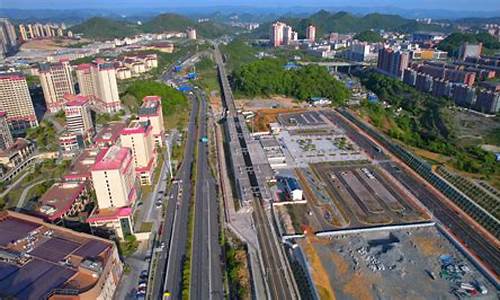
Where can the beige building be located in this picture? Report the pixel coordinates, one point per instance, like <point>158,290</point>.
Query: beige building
<point>138,136</point>
<point>311,33</point>
<point>78,118</point>
<point>15,101</point>
<point>114,181</point>
<point>277,32</point>
<point>56,82</point>
<point>191,33</point>
<point>113,178</point>
<point>98,81</point>
<point>5,136</point>
<point>23,32</point>
<point>61,264</point>
<point>151,111</point>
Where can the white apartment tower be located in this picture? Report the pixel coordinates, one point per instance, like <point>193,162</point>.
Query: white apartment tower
<point>56,82</point>
<point>78,117</point>
<point>98,81</point>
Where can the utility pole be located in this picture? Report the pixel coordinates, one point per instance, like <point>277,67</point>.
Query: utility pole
<point>169,161</point>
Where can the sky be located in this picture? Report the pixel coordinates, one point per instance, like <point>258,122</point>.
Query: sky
<point>476,5</point>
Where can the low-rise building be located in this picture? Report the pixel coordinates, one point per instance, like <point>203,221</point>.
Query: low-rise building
<point>45,261</point>
<point>109,135</point>
<point>63,200</point>
<point>488,102</point>
<point>81,168</point>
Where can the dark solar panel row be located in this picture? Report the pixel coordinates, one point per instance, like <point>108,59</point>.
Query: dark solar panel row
<point>12,230</point>
<point>6,270</point>
<point>55,249</point>
<point>52,279</point>
<point>17,281</point>
<point>91,249</point>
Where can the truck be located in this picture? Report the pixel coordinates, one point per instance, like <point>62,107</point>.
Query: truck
<point>177,68</point>
<point>192,75</point>
<point>184,88</point>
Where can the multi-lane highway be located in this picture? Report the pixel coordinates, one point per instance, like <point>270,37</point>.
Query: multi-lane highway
<point>206,275</point>
<point>168,273</point>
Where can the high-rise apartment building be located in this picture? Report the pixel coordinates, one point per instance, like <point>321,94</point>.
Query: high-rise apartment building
<point>277,32</point>
<point>311,33</point>
<point>392,62</point>
<point>56,82</point>
<point>8,37</point>
<point>470,50</point>
<point>78,117</point>
<point>138,136</point>
<point>191,33</point>
<point>15,100</point>
<point>151,111</point>
<point>6,139</point>
<point>113,178</point>
<point>23,32</point>
<point>98,81</point>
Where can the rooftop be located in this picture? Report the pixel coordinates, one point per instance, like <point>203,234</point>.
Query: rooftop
<point>135,127</point>
<point>108,214</point>
<point>38,257</point>
<point>82,166</point>
<point>19,144</point>
<point>111,158</point>
<point>75,100</point>
<point>12,76</point>
<point>150,105</point>
<point>110,132</point>
<point>59,199</point>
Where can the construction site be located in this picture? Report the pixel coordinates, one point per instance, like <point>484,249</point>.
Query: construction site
<point>417,263</point>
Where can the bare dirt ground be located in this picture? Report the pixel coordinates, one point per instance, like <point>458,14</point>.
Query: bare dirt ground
<point>50,44</point>
<point>400,264</point>
<point>273,102</point>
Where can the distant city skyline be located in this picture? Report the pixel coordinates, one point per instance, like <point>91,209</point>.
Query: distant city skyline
<point>111,4</point>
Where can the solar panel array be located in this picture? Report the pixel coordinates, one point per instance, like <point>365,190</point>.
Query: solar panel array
<point>44,272</point>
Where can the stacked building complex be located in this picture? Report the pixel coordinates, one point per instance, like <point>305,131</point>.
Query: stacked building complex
<point>8,37</point>
<point>56,81</point>
<point>43,261</point>
<point>114,181</point>
<point>40,31</point>
<point>15,102</point>
<point>98,81</point>
<point>282,34</point>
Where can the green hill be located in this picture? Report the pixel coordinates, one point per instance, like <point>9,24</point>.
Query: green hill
<point>167,22</point>
<point>368,36</point>
<point>452,43</point>
<point>174,22</point>
<point>344,22</point>
<point>103,28</point>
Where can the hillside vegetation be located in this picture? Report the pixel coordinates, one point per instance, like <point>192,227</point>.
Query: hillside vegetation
<point>424,122</point>
<point>452,43</point>
<point>369,36</point>
<point>267,77</point>
<point>103,28</point>
<point>344,22</point>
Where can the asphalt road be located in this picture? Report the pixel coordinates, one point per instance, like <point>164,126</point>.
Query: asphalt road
<point>206,275</point>
<point>168,274</point>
